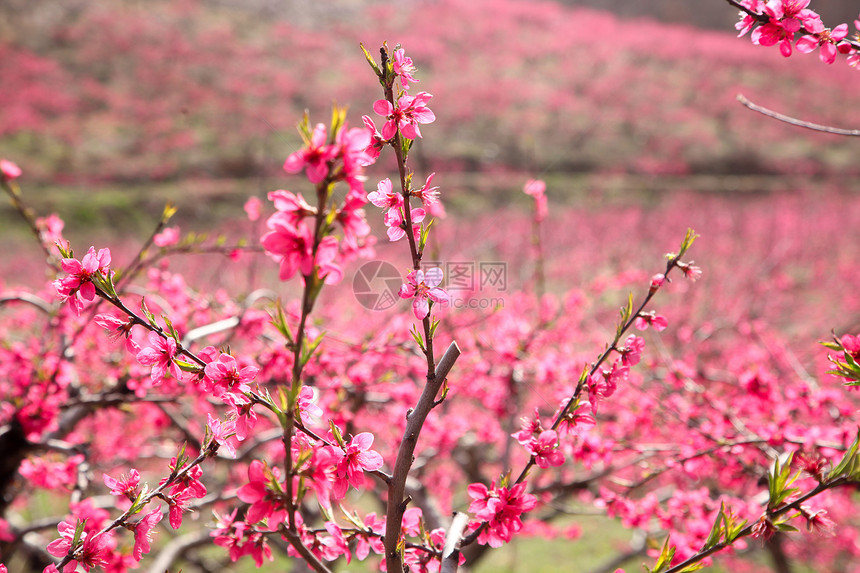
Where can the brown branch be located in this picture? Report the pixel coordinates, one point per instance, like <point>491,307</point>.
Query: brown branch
<point>798,122</point>
<point>397,486</point>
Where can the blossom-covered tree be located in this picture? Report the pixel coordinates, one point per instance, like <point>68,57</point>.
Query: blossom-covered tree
<point>272,412</point>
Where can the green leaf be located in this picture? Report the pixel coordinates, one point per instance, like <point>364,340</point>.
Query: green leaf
<point>168,212</point>
<point>304,128</point>
<point>338,117</point>
<point>732,528</point>
<point>353,518</point>
<point>406,145</point>
<point>626,312</point>
<point>433,326</point>
<point>665,559</point>
<point>371,61</point>
<point>310,348</point>
<point>849,458</point>
<point>779,481</point>
<point>79,531</point>
<point>717,529</point>
<point>425,232</point>
<point>187,366</point>
<point>170,330</point>
<point>149,316</point>
<point>181,456</point>
<point>689,239</point>
<point>417,337</point>
<point>139,502</point>
<point>335,431</point>
<point>279,321</point>
<point>445,389</point>
<point>65,250</point>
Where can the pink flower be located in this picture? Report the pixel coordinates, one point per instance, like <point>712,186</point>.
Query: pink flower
<point>534,187</point>
<point>410,111</point>
<point>501,509</point>
<point>125,485</point>
<point>246,417</point>
<point>690,271</point>
<point>167,237</point>
<point>252,208</point>
<point>318,473</point>
<point>91,551</point>
<point>581,416</point>
<point>812,464</point>
<point>395,221</point>
<point>78,285</point>
<point>851,345</point>
<point>221,433</point>
<point>351,218</point>
<point>352,461</point>
<point>603,384</point>
<point>264,492</point>
<point>314,158</point>
<point>529,428</point>
<point>291,243</point>
<point>9,170</point>
<point>786,18</point>
<point>422,286</point>
<point>352,145</point>
<point>764,529</point>
<point>160,356</point>
<point>403,66</point>
<point>747,21</point>
<point>376,142</point>
<point>51,228</point>
<point>631,352</point>
<point>428,195</point>
<point>143,532</point>
<point>827,39</point>
<point>544,448</point>
<point>646,319</point>
<point>385,197</point>
<point>226,375</point>
<point>334,546</point>
<point>189,481</point>
<point>305,403</point>
<point>118,328</point>
<point>537,189</point>
<point>366,542</point>
<point>817,520</point>
<point>293,246</point>
<point>176,505</point>
<point>295,206</point>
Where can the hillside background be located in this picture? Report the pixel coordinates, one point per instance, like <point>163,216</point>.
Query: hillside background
<point>136,100</point>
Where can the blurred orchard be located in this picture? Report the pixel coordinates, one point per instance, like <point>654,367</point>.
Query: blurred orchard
<point>390,339</point>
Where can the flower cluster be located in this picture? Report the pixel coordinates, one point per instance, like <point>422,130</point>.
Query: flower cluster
<point>78,286</point>
<point>311,249</point>
<point>501,509</point>
<point>780,22</point>
<point>422,288</point>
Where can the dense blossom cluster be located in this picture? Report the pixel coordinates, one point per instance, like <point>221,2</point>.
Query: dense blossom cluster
<point>788,23</point>
<point>276,416</point>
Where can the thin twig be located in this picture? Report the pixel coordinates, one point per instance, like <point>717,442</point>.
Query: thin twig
<point>795,121</point>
